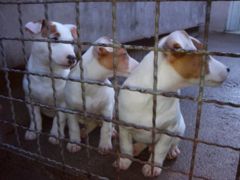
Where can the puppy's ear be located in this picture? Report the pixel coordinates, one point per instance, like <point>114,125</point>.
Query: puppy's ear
<point>73,30</point>
<point>100,51</point>
<point>34,27</point>
<point>171,44</point>
<point>197,43</point>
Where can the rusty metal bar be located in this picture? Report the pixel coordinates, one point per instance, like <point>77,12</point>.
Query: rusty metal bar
<point>74,1</point>
<point>115,85</point>
<point>201,89</point>
<point>141,90</point>
<point>130,47</point>
<point>53,83</point>
<point>155,79</point>
<point>79,56</point>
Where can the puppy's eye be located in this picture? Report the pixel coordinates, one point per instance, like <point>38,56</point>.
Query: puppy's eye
<point>54,38</point>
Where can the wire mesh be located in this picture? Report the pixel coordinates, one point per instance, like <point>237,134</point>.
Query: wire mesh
<point>90,116</point>
<point>201,89</point>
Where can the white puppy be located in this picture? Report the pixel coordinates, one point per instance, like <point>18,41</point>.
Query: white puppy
<point>175,71</point>
<point>63,58</point>
<point>98,66</point>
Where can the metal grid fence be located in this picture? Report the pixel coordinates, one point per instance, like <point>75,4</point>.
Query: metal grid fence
<point>154,92</point>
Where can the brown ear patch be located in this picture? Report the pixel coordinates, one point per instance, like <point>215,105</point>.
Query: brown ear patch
<point>197,44</point>
<point>188,66</point>
<point>74,32</point>
<point>48,28</point>
<point>105,58</point>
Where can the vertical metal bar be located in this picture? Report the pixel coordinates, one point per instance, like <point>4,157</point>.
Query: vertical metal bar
<point>238,169</point>
<point>201,89</point>
<point>28,77</point>
<point>6,73</point>
<point>115,81</point>
<point>155,78</point>
<point>53,82</point>
<point>79,56</point>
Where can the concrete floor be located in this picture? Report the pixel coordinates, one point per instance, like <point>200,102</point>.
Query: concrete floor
<point>219,124</point>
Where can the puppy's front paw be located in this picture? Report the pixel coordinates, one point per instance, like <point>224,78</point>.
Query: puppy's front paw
<point>147,171</point>
<point>72,148</point>
<point>53,140</point>
<point>123,163</point>
<point>30,135</point>
<point>105,146</point>
<point>173,153</point>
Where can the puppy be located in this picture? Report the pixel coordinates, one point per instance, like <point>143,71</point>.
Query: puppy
<point>175,71</point>
<point>98,66</point>
<point>63,58</point>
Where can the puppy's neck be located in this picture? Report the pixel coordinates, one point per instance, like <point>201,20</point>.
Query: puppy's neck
<point>168,79</point>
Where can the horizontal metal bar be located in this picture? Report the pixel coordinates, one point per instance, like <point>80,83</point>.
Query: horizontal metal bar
<point>130,47</point>
<point>95,117</point>
<point>74,1</point>
<point>130,88</point>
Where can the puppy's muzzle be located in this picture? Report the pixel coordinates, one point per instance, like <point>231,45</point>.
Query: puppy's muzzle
<point>72,60</point>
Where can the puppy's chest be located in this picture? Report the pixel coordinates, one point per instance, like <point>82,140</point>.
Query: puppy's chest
<point>96,100</point>
<point>42,90</point>
<point>94,105</point>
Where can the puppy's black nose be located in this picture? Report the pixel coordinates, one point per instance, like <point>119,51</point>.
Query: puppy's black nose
<point>71,59</point>
<point>228,69</point>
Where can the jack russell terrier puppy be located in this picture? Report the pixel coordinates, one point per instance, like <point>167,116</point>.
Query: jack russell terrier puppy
<point>175,71</point>
<point>63,58</point>
<point>98,66</point>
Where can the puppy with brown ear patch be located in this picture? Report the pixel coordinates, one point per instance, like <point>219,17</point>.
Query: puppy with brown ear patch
<point>98,66</point>
<point>62,59</point>
<point>175,71</point>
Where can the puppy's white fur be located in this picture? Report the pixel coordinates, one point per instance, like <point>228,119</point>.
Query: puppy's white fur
<point>41,90</point>
<point>99,99</point>
<point>136,108</point>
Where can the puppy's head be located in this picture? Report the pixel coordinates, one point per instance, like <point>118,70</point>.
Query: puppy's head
<point>105,56</point>
<point>188,66</point>
<point>62,54</point>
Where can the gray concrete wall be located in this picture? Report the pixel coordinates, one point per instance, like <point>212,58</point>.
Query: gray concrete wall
<point>134,21</point>
<point>219,16</point>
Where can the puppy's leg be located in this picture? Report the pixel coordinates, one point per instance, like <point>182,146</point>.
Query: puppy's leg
<point>174,150</point>
<point>74,133</point>
<point>35,122</point>
<point>105,143</point>
<point>58,126</point>
<point>126,146</point>
<point>161,149</point>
